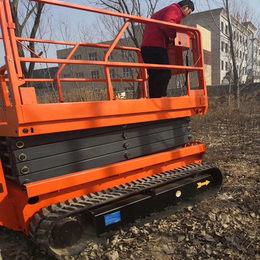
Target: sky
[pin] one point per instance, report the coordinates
(61, 17)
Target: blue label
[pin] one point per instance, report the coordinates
(112, 218)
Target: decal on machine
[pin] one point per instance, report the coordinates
(205, 183)
(112, 218)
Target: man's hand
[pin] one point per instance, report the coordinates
(170, 42)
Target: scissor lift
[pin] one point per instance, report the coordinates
(64, 165)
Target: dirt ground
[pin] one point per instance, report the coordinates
(226, 226)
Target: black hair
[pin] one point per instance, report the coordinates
(188, 3)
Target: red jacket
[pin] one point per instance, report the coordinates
(155, 35)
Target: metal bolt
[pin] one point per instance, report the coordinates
(25, 170)
(127, 155)
(126, 145)
(25, 131)
(19, 144)
(22, 157)
(124, 135)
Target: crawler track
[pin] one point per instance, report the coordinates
(43, 228)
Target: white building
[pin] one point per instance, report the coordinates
(216, 21)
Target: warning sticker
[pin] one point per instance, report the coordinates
(112, 218)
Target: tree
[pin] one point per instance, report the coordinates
(133, 7)
(235, 39)
(26, 16)
(134, 33)
(235, 74)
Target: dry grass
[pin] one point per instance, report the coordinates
(77, 95)
(73, 95)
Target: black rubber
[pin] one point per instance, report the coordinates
(45, 224)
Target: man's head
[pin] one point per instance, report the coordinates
(187, 7)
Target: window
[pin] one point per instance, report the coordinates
(246, 57)
(125, 54)
(240, 54)
(92, 56)
(110, 57)
(67, 75)
(222, 27)
(237, 37)
(222, 65)
(226, 66)
(77, 57)
(222, 46)
(112, 73)
(226, 48)
(237, 53)
(80, 75)
(127, 73)
(226, 29)
(95, 74)
(234, 35)
(240, 38)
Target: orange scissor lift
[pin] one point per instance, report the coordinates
(66, 166)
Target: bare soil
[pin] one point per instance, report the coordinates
(226, 226)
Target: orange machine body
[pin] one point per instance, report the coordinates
(21, 115)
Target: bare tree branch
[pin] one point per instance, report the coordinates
(30, 13)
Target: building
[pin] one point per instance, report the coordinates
(213, 25)
(246, 46)
(95, 72)
(176, 86)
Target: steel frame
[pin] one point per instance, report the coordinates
(23, 116)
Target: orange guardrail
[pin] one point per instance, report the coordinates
(24, 116)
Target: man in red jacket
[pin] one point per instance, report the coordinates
(154, 45)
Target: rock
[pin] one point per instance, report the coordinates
(113, 255)
(165, 247)
(115, 241)
(208, 251)
(134, 230)
(92, 255)
(246, 194)
(169, 252)
(212, 216)
(252, 215)
(181, 238)
(128, 240)
(191, 251)
(228, 251)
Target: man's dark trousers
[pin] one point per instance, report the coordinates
(158, 79)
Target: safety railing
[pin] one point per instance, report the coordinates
(193, 32)
(22, 96)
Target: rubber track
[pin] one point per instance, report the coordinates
(47, 218)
